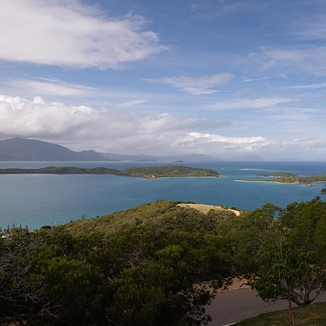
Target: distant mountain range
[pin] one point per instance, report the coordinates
(21, 149)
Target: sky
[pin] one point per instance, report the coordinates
(233, 79)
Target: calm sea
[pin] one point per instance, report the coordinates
(37, 200)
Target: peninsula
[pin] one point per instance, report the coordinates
(289, 178)
(173, 171)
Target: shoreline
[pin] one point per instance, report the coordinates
(271, 181)
(194, 177)
(281, 183)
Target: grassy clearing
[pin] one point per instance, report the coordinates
(313, 315)
(206, 208)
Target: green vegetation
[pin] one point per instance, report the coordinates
(136, 267)
(314, 315)
(168, 172)
(143, 172)
(278, 174)
(60, 170)
(284, 177)
(159, 263)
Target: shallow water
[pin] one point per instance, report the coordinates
(37, 200)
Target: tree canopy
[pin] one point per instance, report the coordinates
(159, 263)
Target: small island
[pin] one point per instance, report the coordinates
(173, 171)
(289, 178)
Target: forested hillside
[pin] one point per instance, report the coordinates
(158, 264)
(170, 171)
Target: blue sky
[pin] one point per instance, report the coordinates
(226, 78)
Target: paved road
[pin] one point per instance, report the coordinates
(235, 305)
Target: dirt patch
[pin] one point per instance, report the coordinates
(205, 208)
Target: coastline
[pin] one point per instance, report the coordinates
(194, 177)
(271, 181)
(282, 183)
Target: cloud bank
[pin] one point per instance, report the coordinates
(101, 130)
(71, 34)
(126, 132)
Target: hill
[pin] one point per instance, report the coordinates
(174, 171)
(19, 149)
(161, 213)
(60, 170)
(159, 264)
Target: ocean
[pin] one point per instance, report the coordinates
(36, 200)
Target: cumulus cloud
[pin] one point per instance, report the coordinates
(71, 34)
(102, 130)
(229, 140)
(196, 86)
(222, 144)
(127, 132)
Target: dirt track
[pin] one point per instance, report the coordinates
(205, 208)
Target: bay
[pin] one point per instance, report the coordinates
(37, 200)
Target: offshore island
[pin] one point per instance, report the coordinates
(289, 178)
(173, 171)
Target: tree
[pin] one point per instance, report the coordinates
(21, 294)
(248, 237)
(294, 268)
(289, 273)
(40, 285)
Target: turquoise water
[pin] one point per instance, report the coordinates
(37, 200)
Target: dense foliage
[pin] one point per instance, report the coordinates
(168, 171)
(158, 264)
(285, 177)
(142, 267)
(143, 172)
(60, 170)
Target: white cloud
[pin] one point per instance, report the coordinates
(51, 87)
(289, 116)
(196, 86)
(310, 29)
(132, 103)
(102, 130)
(82, 127)
(226, 140)
(311, 86)
(246, 80)
(310, 59)
(298, 148)
(257, 103)
(69, 33)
